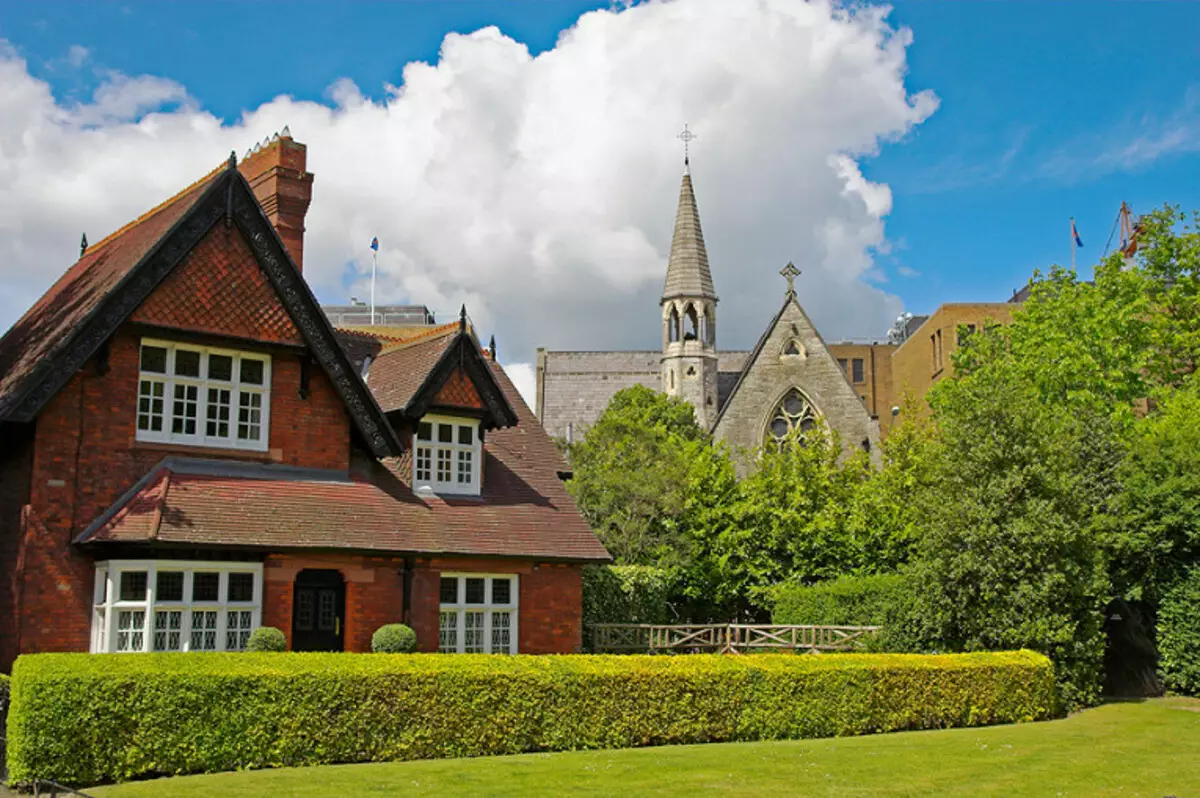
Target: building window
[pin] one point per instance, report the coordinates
(843, 365)
(167, 605)
(794, 413)
(965, 332)
(448, 455)
(477, 614)
(857, 370)
(202, 396)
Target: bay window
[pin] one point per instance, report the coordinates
(477, 614)
(447, 455)
(168, 605)
(203, 396)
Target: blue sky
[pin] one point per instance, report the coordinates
(1046, 110)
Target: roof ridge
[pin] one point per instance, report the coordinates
(159, 207)
(421, 338)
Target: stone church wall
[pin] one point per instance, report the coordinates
(815, 372)
(573, 388)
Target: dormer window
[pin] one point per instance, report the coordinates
(447, 455)
(203, 396)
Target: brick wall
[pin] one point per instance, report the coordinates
(16, 467)
(86, 457)
(374, 592)
(550, 603)
(921, 361)
(876, 384)
(550, 606)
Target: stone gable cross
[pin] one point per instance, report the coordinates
(790, 273)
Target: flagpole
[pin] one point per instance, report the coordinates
(374, 266)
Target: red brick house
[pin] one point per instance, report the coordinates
(189, 450)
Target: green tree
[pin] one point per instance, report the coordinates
(787, 520)
(1006, 557)
(645, 474)
(1152, 529)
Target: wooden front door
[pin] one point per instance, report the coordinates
(319, 611)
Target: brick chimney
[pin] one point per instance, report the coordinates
(276, 171)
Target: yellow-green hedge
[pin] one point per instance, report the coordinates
(83, 719)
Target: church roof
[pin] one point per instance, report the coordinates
(688, 274)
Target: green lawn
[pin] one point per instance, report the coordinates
(1150, 748)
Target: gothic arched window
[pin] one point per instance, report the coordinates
(673, 326)
(693, 324)
(794, 412)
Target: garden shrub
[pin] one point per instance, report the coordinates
(132, 716)
(877, 600)
(394, 638)
(625, 594)
(1179, 636)
(266, 638)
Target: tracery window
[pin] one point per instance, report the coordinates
(794, 412)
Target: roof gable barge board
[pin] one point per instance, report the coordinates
(462, 353)
(227, 196)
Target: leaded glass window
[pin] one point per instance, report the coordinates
(478, 614)
(793, 415)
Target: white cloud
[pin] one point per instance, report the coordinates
(77, 55)
(539, 190)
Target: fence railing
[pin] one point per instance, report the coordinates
(726, 638)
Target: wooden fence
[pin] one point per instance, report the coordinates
(725, 638)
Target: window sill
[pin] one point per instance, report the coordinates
(268, 456)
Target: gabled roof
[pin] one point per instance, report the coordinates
(523, 510)
(688, 274)
(407, 376)
(112, 279)
(752, 358)
(29, 348)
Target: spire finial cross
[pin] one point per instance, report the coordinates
(686, 137)
(790, 273)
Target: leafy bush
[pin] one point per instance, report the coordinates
(625, 594)
(878, 600)
(1179, 636)
(266, 638)
(132, 716)
(394, 638)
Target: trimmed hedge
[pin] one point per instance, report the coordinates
(394, 638)
(267, 638)
(1179, 636)
(879, 600)
(4, 685)
(137, 715)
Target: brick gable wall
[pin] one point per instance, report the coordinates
(220, 289)
(86, 456)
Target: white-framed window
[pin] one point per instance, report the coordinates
(171, 605)
(477, 614)
(203, 396)
(447, 455)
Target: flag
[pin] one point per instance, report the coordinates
(1075, 235)
(375, 243)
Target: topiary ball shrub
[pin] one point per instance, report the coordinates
(1179, 636)
(394, 638)
(267, 638)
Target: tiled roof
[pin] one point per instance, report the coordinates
(47, 325)
(523, 511)
(400, 369)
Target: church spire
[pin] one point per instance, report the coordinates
(688, 274)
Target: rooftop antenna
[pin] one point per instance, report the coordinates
(686, 137)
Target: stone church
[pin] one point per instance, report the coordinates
(791, 378)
